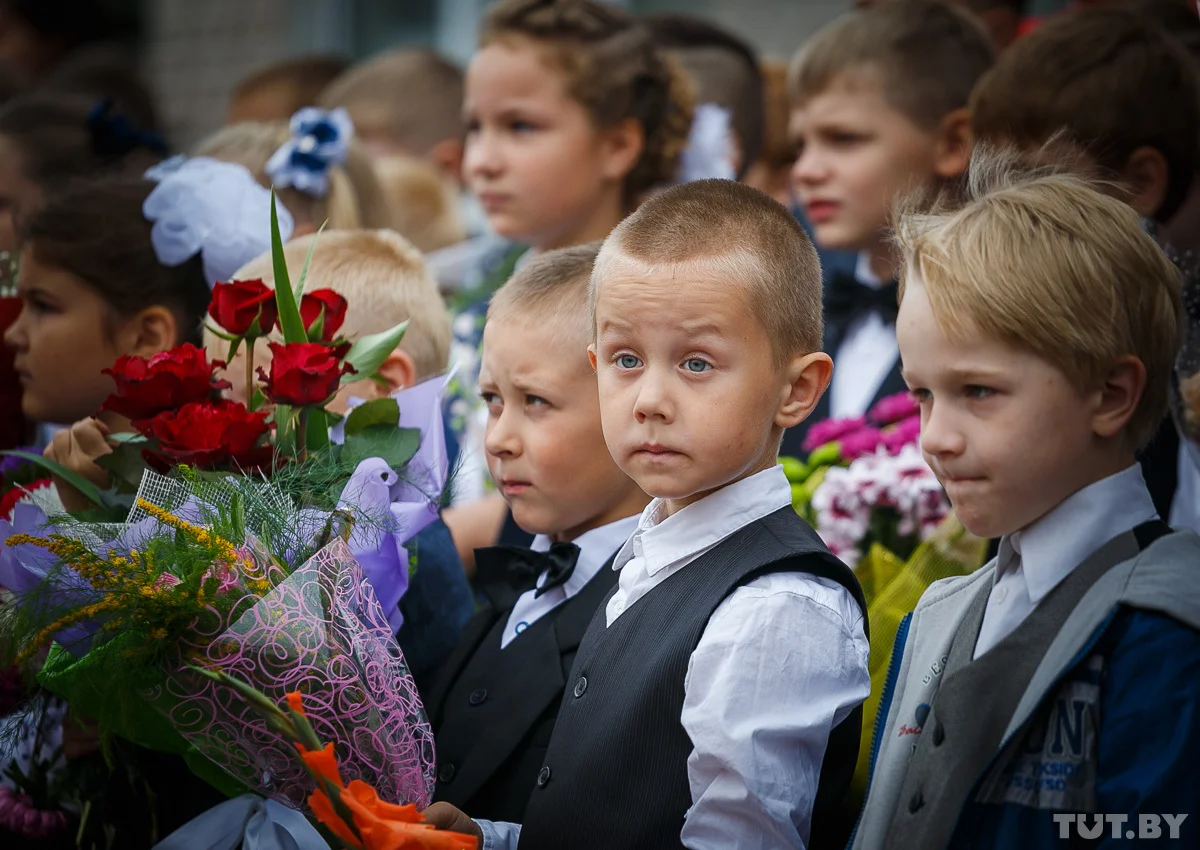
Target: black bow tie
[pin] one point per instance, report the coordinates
(505, 572)
(847, 299)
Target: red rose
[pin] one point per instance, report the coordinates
(244, 307)
(168, 380)
(9, 500)
(304, 373)
(334, 306)
(208, 434)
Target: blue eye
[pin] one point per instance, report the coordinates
(977, 392)
(628, 361)
(695, 364)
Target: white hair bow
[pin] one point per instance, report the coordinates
(709, 152)
(212, 208)
(319, 140)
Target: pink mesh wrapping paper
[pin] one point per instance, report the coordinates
(321, 632)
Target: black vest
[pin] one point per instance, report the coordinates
(616, 771)
(493, 709)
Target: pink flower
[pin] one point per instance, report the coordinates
(893, 409)
(18, 814)
(166, 580)
(864, 441)
(830, 430)
(904, 433)
(226, 576)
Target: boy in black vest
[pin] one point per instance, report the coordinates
(714, 701)
(495, 701)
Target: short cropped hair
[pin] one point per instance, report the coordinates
(411, 96)
(927, 55)
(384, 281)
(1112, 79)
(744, 233)
(1048, 263)
(552, 289)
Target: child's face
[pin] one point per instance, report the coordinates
(689, 392)
(545, 447)
(856, 155)
(533, 156)
(61, 341)
(1006, 433)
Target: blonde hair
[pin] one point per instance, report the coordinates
(354, 199)
(411, 96)
(424, 205)
(926, 55)
(275, 92)
(745, 235)
(613, 69)
(552, 290)
(384, 281)
(1046, 262)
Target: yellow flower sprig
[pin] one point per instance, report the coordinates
(85, 612)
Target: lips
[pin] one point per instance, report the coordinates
(511, 487)
(819, 211)
(492, 200)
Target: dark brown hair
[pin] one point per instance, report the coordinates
(298, 82)
(96, 231)
(614, 69)
(1111, 79)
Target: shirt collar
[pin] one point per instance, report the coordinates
(595, 548)
(1056, 544)
(662, 542)
(863, 273)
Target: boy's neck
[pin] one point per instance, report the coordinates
(631, 505)
(1103, 465)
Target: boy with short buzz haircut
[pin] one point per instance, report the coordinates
(1038, 326)
(496, 700)
(715, 700)
(879, 102)
(385, 282)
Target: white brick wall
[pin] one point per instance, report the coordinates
(197, 50)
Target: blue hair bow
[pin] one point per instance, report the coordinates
(319, 139)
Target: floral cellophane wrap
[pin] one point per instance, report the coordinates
(892, 587)
(323, 633)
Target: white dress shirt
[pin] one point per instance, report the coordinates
(865, 356)
(1185, 506)
(1033, 561)
(595, 548)
(782, 661)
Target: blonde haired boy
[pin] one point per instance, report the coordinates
(715, 698)
(384, 281)
(879, 101)
(1058, 687)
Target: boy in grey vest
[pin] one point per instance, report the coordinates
(1055, 693)
(715, 700)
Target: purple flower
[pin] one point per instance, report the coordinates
(893, 409)
(10, 464)
(864, 441)
(904, 433)
(830, 430)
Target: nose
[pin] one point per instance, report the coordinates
(501, 439)
(483, 157)
(14, 335)
(809, 169)
(941, 436)
(653, 399)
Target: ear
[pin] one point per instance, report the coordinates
(621, 147)
(447, 157)
(1147, 176)
(398, 372)
(151, 331)
(808, 378)
(592, 356)
(954, 142)
(1119, 396)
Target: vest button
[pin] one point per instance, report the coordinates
(939, 735)
(581, 687)
(544, 777)
(446, 773)
(477, 697)
(916, 803)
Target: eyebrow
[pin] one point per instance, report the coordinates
(960, 373)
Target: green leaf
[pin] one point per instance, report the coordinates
(317, 328)
(367, 354)
(285, 429)
(221, 334)
(125, 462)
(316, 433)
(234, 345)
(87, 488)
(289, 313)
(257, 399)
(380, 411)
(394, 445)
(308, 259)
(237, 515)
